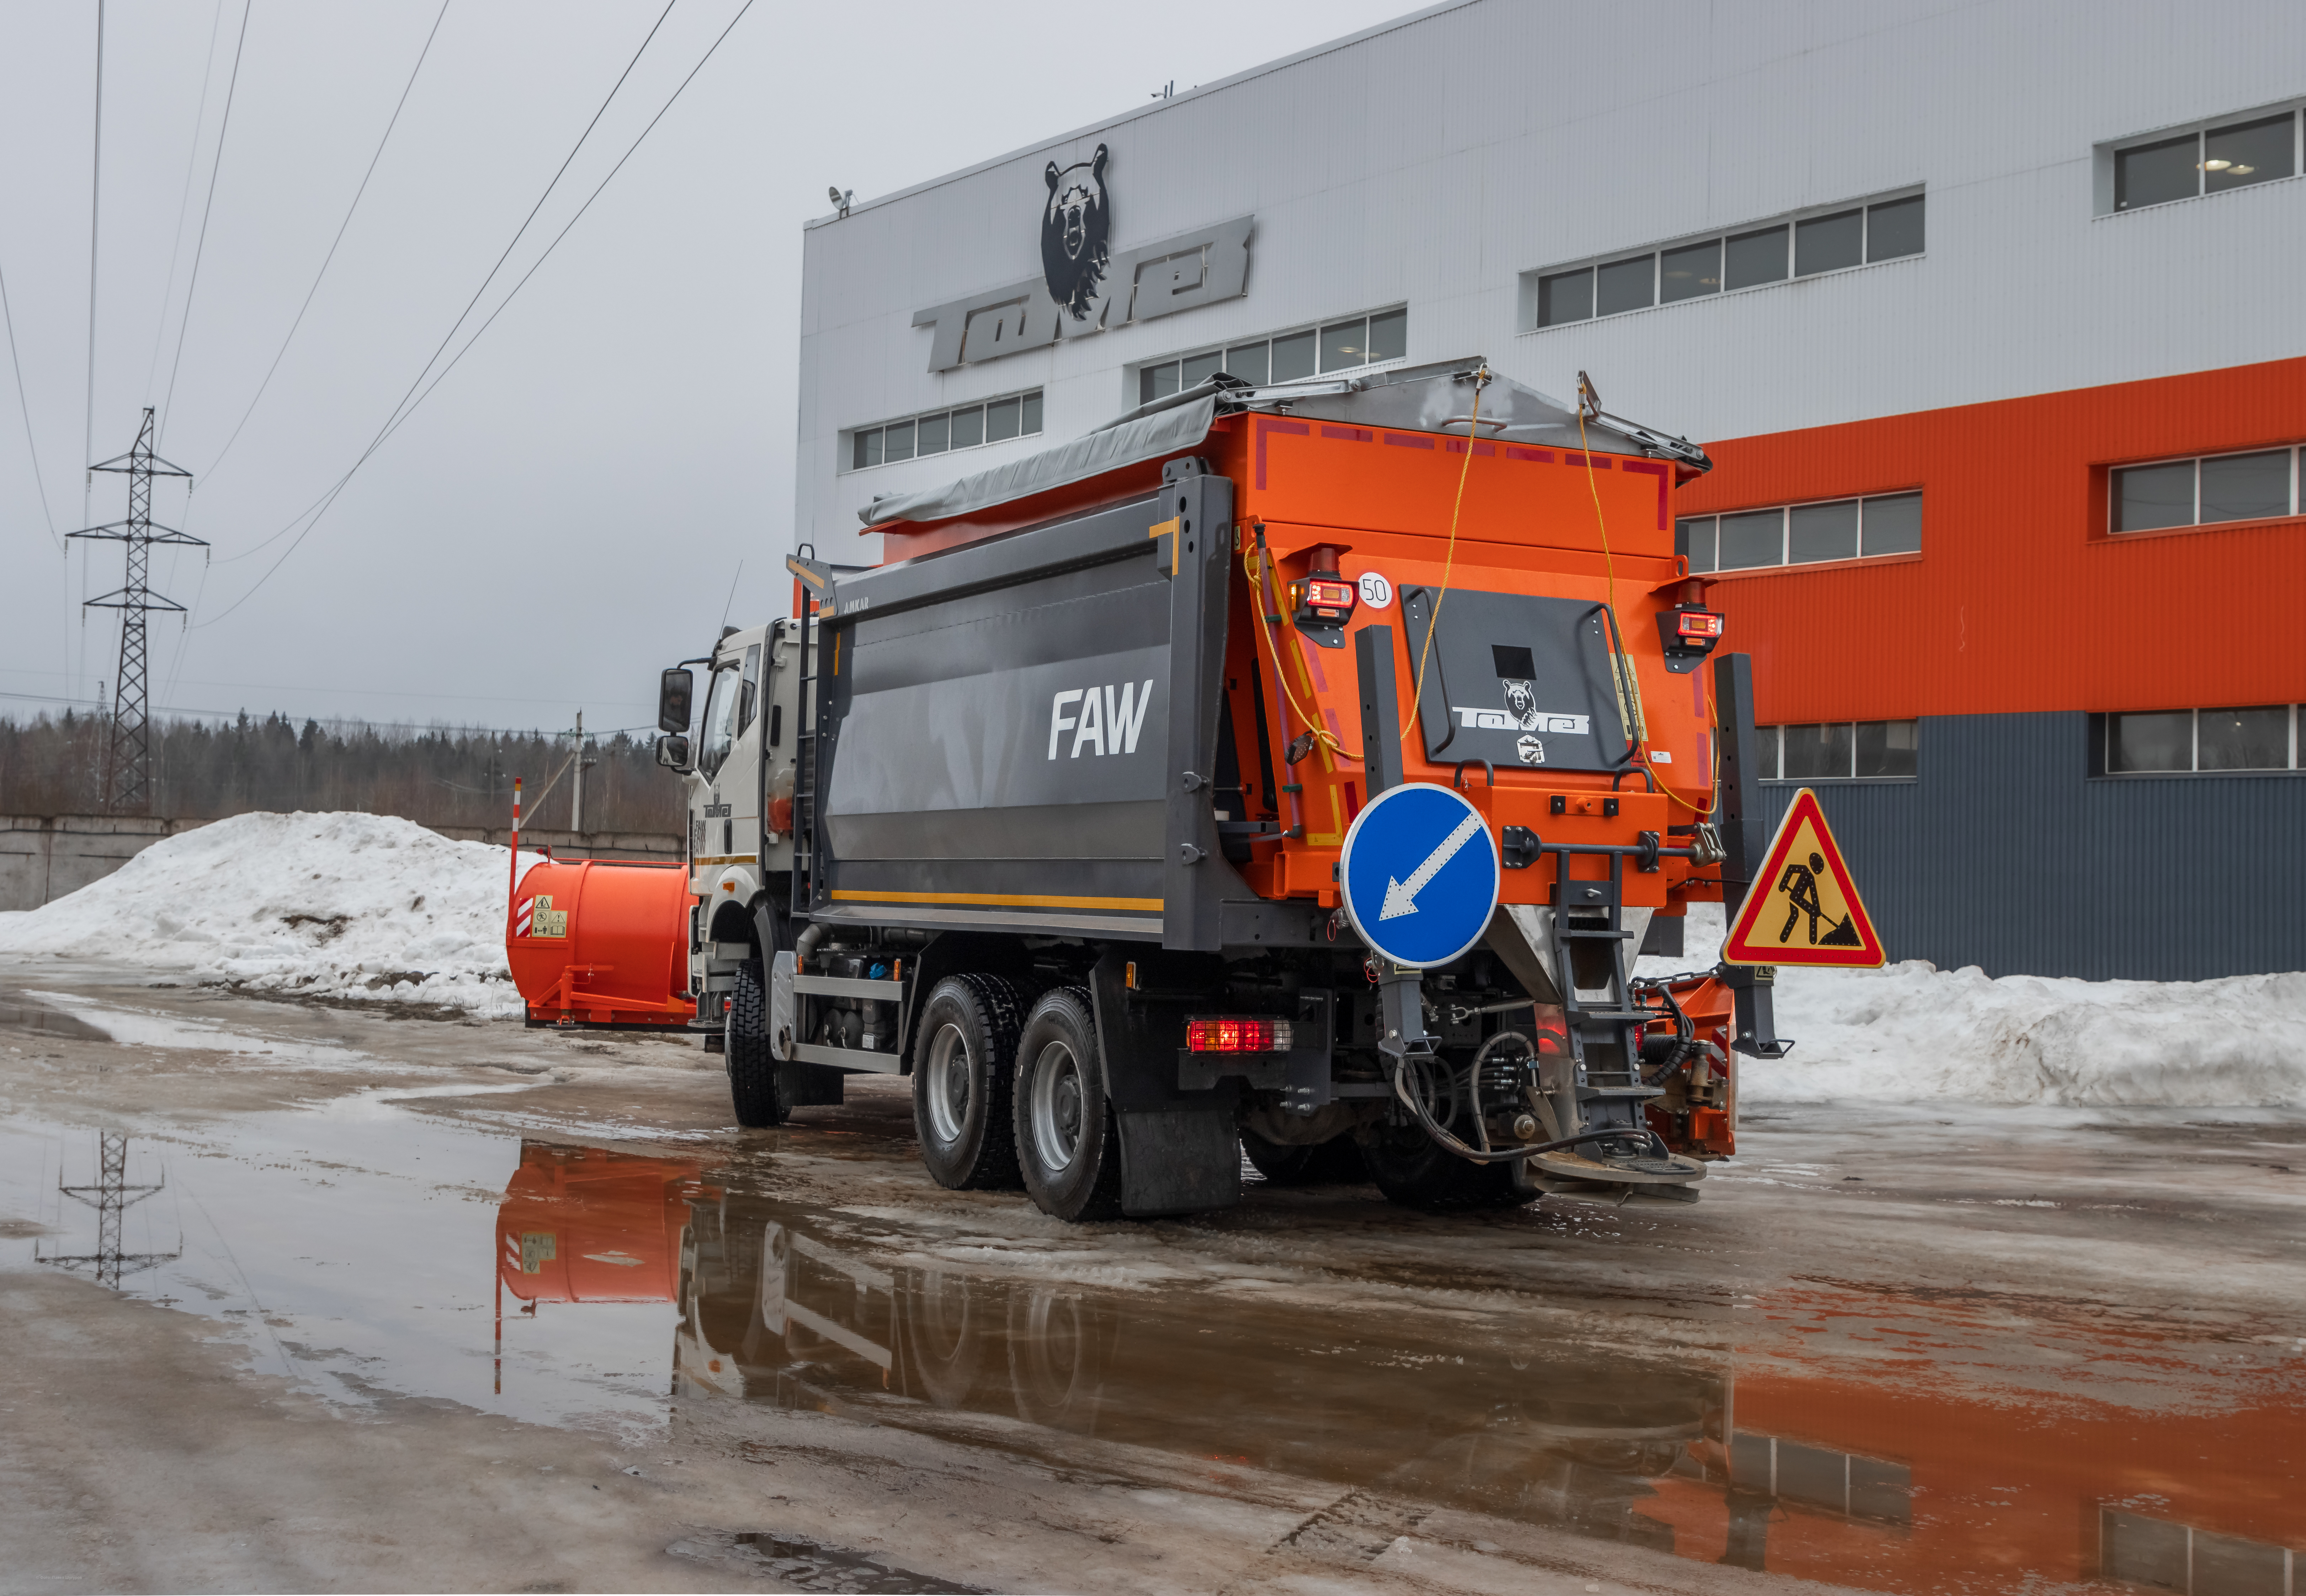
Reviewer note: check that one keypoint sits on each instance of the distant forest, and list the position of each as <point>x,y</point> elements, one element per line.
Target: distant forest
<point>436,776</point>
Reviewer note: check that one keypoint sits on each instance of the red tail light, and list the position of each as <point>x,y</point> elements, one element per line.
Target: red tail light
<point>1239,1035</point>
<point>1699,624</point>
<point>1323,601</point>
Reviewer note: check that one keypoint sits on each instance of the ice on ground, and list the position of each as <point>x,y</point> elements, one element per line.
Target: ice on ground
<point>356,906</point>
<point>1911,1032</point>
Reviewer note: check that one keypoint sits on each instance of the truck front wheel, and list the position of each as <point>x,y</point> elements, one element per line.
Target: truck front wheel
<point>962,1065</point>
<point>760,1096</point>
<point>1068,1144</point>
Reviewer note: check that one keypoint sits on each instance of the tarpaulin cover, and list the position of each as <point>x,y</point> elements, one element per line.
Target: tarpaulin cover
<point>1147,438</point>
<point>1430,398</point>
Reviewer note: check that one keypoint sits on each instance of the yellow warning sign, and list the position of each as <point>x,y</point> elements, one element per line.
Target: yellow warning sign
<point>1802,907</point>
<point>546,920</point>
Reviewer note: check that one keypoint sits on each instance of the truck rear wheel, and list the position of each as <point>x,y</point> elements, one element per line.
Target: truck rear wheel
<point>760,1097</point>
<point>962,1063</point>
<point>1068,1144</point>
<point>1414,1170</point>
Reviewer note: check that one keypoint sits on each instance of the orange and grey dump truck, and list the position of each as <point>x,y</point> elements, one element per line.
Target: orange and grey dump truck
<point>1293,770</point>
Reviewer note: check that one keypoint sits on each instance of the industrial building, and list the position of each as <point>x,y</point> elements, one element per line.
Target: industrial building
<point>1988,317</point>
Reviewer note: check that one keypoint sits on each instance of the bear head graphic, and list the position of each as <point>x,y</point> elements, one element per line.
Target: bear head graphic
<point>1076,228</point>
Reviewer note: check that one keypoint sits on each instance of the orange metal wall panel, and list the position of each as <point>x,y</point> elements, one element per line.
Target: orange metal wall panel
<point>2019,600</point>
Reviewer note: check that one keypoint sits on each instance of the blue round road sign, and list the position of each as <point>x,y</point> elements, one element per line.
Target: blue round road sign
<point>1421,873</point>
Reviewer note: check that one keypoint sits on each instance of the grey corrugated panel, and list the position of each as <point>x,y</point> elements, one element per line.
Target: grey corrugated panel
<point>2005,854</point>
<point>1436,159</point>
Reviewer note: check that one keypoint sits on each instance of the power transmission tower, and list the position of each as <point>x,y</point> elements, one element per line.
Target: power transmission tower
<point>110,1197</point>
<point>128,759</point>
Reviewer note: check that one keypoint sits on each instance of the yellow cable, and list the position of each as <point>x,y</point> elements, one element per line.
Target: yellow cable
<point>1448,559</point>
<point>1630,693</point>
<point>1254,567</point>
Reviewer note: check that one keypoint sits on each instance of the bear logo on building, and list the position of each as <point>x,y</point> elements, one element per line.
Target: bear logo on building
<point>1076,228</point>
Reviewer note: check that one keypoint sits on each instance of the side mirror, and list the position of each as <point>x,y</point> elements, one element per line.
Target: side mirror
<point>675,692</point>
<point>672,749</point>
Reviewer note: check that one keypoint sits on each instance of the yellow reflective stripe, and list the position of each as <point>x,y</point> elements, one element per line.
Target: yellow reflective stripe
<point>1004,901</point>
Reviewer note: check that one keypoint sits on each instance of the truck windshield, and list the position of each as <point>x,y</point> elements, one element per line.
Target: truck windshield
<point>719,728</point>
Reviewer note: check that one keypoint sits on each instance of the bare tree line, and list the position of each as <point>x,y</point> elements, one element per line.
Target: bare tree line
<point>436,775</point>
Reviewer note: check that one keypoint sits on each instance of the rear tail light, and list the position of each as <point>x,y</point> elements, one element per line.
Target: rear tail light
<point>1239,1035</point>
<point>1323,601</point>
<point>1690,633</point>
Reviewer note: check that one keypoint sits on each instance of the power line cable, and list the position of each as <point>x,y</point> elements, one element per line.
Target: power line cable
<point>319,505</point>
<point>88,424</point>
<point>185,199</point>
<point>398,106</point>
<point>95,210</point>
<point>193,284</point>
<point>24,405</point>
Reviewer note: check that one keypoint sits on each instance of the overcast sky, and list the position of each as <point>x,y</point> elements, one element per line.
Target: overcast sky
<point>569,510</point>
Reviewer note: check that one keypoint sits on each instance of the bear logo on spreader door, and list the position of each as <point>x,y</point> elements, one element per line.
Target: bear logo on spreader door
<point>1075,231</point>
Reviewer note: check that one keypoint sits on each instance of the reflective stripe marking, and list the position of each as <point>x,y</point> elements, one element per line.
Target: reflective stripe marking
<point>1002,900</point>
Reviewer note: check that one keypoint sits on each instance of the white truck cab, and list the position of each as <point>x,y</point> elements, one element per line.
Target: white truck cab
<point>739,773</point>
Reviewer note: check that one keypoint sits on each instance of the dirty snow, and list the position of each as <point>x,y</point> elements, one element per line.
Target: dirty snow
<point>367,906</point>
<point>1911,1032</point>
<point>353,906</point>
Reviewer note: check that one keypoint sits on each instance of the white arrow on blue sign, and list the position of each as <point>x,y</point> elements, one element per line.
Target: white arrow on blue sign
<point>1421,873</point>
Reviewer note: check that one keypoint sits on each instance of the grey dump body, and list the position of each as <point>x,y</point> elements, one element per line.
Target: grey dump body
<point>1018,734</point>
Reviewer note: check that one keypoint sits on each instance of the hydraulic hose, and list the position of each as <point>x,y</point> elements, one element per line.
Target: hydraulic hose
<point>1477,1156</point>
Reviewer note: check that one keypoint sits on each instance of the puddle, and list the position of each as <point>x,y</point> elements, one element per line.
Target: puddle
<point>796,1564</point>
<point>368,1249</point>
<point>145,1028</point>
<point>20,1013</point>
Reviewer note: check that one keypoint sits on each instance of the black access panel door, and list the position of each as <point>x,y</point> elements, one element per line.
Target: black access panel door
<point>1521,681</point>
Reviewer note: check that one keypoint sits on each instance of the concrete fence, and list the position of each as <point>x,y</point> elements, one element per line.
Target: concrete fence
<point>44,857</point>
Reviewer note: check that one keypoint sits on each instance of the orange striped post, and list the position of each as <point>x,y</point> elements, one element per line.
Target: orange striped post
<point>512,885</point>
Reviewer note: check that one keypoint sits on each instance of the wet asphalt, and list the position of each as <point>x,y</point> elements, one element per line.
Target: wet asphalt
<point>332,1257</point>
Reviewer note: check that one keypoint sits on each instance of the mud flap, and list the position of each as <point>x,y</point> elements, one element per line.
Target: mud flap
<point>803,1086</point>
<point>1178,1161</point>
<point>1180,1152</point>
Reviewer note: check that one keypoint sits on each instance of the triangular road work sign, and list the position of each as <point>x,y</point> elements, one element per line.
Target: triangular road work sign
<point>1802,907</point>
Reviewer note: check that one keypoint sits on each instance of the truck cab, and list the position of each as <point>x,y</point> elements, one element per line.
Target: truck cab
<point>738,771</point>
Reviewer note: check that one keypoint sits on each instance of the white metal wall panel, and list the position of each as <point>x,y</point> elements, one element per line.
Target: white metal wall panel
<point>1434,161</point>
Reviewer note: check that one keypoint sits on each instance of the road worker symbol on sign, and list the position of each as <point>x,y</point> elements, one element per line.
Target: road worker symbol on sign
<point>1803,907</point>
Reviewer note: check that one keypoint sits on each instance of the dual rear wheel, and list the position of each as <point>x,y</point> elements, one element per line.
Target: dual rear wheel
<point>1006,1095</point>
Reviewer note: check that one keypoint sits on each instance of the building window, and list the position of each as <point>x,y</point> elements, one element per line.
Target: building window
<point>1802,533</point>
<point>1800,245</point>
<point>2177,742</point>
<point>2207,160</point>
<point>1838,751</point>
<point>2255,486</point>
<point>1345,345</point>
<point>941,431</point>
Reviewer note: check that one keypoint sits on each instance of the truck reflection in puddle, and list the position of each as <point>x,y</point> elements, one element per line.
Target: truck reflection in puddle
<point>1882,1486</point>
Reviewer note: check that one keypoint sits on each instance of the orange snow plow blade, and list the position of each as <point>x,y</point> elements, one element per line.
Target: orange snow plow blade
<point>601,941</point>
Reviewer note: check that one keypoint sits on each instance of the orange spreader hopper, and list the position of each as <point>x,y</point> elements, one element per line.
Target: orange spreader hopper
<point>601,941</point>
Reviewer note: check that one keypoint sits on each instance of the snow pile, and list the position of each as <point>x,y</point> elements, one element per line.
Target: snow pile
<point>359,906</point>
<point>1911,1032</point>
